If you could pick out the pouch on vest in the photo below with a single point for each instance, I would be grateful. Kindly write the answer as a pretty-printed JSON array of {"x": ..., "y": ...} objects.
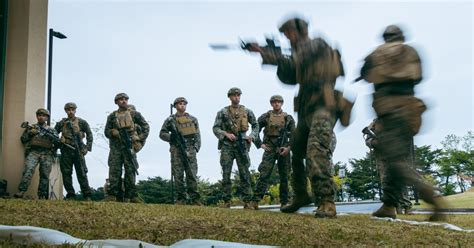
[
  {"x": 186, "y": 125},
  {"x": 124, "y": 120},
  {"x": 275, "y": 123}
]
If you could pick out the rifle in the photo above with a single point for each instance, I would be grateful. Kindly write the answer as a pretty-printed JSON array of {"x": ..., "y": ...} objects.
[
  {"x": 245, "y": 45},
  {"x": 242, "y": 147},
  {"x": 283, "y": 136},
  {"x": 180, "y": 142},
  {"x": 79, "y": 146},
  {"x": 368, "y": 135},
  {"x": 127, "y": 142},
  {"x": 46, "y": 132},
  {"x": 172, "y": 174}
]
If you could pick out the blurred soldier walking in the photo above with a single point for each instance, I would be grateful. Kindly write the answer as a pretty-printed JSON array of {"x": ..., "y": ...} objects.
[
  {"x": 315, "y": 66},
  {"x": 230, "y": 127},
  {"x": 39, "y": 149},
  {"x": 277, "y": 126},
  {"x": 395, "y": 68},
  {"x": 181, "y": 130},
  {"x": 124, "y": 142},
  {"x": 73, "y": 129},
  {"x": 370, "y": 135}
]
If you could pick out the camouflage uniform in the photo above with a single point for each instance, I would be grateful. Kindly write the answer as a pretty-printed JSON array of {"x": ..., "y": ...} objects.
[
  {"x": 395, "y": 68},
  {"x": 274, "y": 124},
  {"x": 131, "y": 121},
  {"x": 69, "y": 157},
  {"x": 235, "y": 120},
  {"x": 188, "y": 126},
  {"x": 39, "y": 149},
  {"x": 403, "y": 200},
  {"x": 314, "y": 65}
]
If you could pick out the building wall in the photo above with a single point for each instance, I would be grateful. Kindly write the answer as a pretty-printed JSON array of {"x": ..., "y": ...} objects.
[{"x": 25, "y": 74}]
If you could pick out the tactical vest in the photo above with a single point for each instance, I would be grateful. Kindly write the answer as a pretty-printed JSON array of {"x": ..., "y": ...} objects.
[
  {"x": 40, "y": 141},
  {"x": 186, "y": 125},
  {"x": 67, "y": 132},
  {"x": 239, "y": 118},
  {"x": 393, "y": 62},
  {"x": 124, "y": 120},
  {"x": 274, "y": 124}
]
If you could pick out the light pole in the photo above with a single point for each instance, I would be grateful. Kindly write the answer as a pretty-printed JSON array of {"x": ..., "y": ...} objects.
[
  {"x": 342, "y": 175},
  {"x": 59, "y": 35}
]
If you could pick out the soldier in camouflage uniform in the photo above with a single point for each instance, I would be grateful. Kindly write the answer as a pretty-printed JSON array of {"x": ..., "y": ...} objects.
[
  {"x": 277, "y": 125},
  {"x": 395, "y": 68},
  {"x": 188, "y": 127},
  {"x": 69, "y": 157},
  {"x": 39, "y": 149},
  {"x": 230, "y": 127},
  {"x": 371, "y": 141},
  {"x": 130, "y": 120},
  {"x": 314, "y": 65}
]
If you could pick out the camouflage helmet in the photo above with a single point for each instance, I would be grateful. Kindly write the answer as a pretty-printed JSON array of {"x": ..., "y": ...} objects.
[
  {"x": 180, "y": 99},
  {"x": 70, "y": 105},
  {"x": 234, "y": 91},
  {"x": 393, "y": 33},
  {"x": 276, "y": 98},
  {"x": 42, "y": 111},
  {"x": 298, "y": 24},
  {"x": 120, "y": 95}
]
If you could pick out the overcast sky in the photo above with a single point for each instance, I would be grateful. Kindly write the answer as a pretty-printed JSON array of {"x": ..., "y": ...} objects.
[{"x": 156, "y": 51}]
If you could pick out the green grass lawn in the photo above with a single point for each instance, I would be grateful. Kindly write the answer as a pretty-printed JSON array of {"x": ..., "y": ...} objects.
[
  {"x": 167, "y": 224},
  {"x": 463, "y": 200}
]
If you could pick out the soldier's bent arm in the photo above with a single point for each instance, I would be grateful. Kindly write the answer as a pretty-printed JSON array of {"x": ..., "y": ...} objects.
[
  {"x": 197, "y": 144},
  {"x": 291, "y": 127},
  {"x": 253, "y": 122},
  {"x": 109, "y": 126},
  {"x": 262, "y": 122},
  {"x": 286, "y": 70},
  {"x": 89, "y": 137},
  {"x": 218, "y": 125},
  {"x": 59, "y": 126},
  {"x": 25, "y": 137},
  {"x": 164, "y": 131},
  {"x": 140, "y": 120}
]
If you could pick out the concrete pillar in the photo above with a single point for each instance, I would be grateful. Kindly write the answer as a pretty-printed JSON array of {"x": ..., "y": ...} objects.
[{"x": 25, "y": 76}]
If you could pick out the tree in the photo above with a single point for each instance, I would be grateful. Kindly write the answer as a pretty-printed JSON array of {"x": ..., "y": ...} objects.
[
  {"x": 457, "y": 161},
  {"x": 155, "y": 190},
  {"x": 364, "y": 178}
]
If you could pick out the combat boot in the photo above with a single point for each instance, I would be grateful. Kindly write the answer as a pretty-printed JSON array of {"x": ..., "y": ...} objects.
[
  {"x": 19, "y": 195},
  {"x": 438, "y": 207},
  {"x": 110, "y": 198},
  {"x": 386, "y": 211},
  {"x": 70, "y": 196},
  {"x": 248, "y": 206},
  {"x": 296, "y": 203},
  {"x": 254, "y": 204},
  {"x": 135, "y": 200},
  {"x": 327, "y": 209},
  {"x": 196, "y": 203}
]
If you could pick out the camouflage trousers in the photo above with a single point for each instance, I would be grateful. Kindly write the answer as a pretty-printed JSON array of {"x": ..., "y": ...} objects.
[
  {"x": 311, "y": 140},
  {"x": 229, "y": 152},
  {"x": 45, "y": 159},
  {"x": 117, "y": 161},
  {"x": 266, "y": 168},
  {"x": 179, "y": 169},
  {"x": 67, "y": 160},
  {"x": 402, "y": 200},
  {"x": 395, "y": 137}
]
